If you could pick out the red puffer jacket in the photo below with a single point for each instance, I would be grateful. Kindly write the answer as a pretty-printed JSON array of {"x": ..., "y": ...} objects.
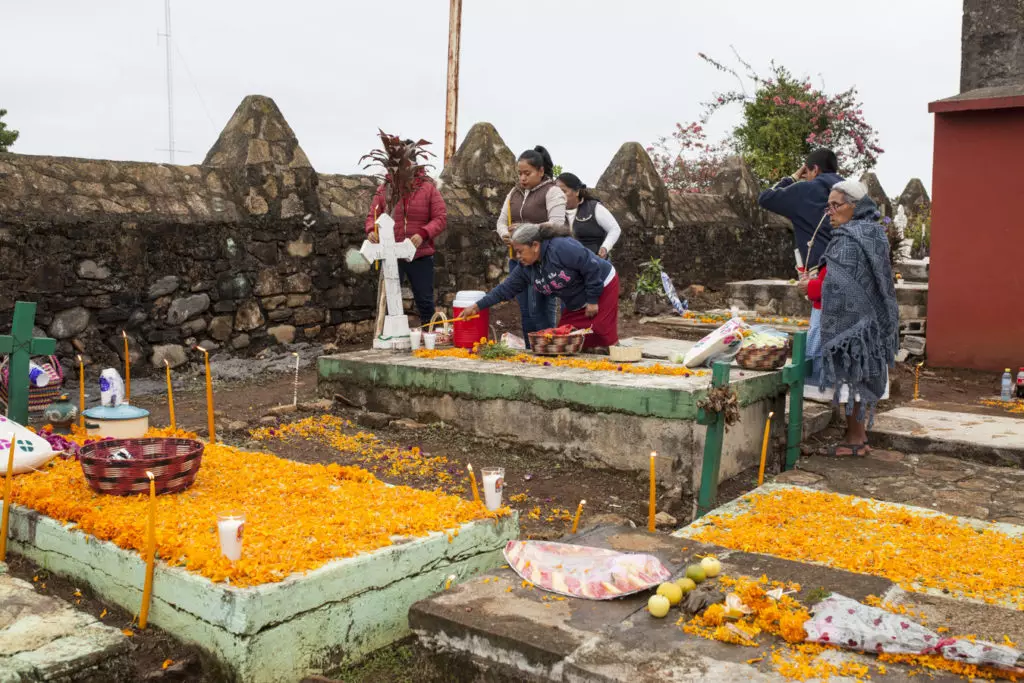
[{"x": 424, "y": 214}]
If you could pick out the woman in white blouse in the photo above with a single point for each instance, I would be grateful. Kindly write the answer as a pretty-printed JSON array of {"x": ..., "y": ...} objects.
[{"x": 592, "y": 224}]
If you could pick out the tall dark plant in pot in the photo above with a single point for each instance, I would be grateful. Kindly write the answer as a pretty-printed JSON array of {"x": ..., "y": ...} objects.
[{"x": 400, "y": 168}]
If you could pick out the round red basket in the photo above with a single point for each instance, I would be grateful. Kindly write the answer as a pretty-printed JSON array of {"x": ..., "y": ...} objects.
[
  {"x": 173, "y": 462},
  {"x": 555, "y": 344}
]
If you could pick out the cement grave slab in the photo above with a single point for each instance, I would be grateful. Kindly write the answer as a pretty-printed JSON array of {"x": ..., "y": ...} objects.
[
  {"x": 989, "y": 439},
  {"x": 518, "y": 633},
  {"x": 603, "y": 419},
  {"x": 817, "y": 416},
  {"x": 43, "y": 638},
  {"x": 305, "y": 625},
  {"x": 783, "y": 297}
]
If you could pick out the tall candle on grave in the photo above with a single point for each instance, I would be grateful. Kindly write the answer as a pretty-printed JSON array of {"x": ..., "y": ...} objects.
[
  {"x": 576, "y": 519},
  {"x": 5, "y": 517},
  {"x": 209, "y": 396},
  {"x": 81, "y": 393},
  {"x": 147, "y": 588},
  {"x": 472, "y": 478},
  {"x": 652, "y": 505},
  {"x": 170, "y": 397},
  {"x": 127, "y": 370}
]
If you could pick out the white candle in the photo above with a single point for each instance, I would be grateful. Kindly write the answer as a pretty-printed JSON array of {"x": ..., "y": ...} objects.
[
  {"x": 414, "y": 339},
  {"x": 230, "y": 528},
  {"x": 494, "y": 482},
  {"x": 429, "y": 339}
]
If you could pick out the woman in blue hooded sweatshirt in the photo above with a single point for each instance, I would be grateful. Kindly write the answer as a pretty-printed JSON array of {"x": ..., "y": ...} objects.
[{"x": 588, "y": 286}]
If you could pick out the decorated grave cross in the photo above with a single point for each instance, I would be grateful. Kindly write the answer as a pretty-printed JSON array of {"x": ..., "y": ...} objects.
[
  {"x": 396, "y": 325},
  {"x": 21, "y": 346}
]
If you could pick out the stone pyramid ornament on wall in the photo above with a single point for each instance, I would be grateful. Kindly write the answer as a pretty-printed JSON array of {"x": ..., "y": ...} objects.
[{"x": 396, "y": 325}]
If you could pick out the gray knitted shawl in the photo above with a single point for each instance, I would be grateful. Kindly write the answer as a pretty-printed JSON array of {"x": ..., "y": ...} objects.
[{"x": 859, "y": 314}]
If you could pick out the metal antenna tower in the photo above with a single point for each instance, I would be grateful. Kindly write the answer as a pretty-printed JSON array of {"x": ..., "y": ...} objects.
[{"x": 166, "y": 35}]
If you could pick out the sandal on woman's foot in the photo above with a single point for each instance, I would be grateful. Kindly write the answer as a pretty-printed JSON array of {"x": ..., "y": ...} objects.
[{"x": 856, "y": 450}]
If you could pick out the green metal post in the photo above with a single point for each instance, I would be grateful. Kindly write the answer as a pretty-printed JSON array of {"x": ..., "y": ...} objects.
[
  {"x": 794, "y": 375},
  {"x": 712, "y": 445},
  {"x": 21, "y": 347}
]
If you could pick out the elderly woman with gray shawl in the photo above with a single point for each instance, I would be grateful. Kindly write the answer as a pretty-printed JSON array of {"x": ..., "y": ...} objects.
[{"x": 859, "y": 316}]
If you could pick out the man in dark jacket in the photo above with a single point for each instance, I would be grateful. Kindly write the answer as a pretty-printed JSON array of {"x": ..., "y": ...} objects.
[{"x": 801, "y": 198}]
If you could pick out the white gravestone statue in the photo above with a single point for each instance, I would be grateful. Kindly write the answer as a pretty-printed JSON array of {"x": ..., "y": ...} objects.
[
  {"x": 906, "y": 244},
  {"x": 396, "y": 324}
]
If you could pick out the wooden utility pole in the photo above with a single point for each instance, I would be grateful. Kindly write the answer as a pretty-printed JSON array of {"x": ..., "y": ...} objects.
[{"x": 451, "y": 111}]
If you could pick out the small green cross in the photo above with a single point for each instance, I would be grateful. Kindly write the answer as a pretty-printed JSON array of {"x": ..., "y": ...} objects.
[{"x": 21, "y": 346}]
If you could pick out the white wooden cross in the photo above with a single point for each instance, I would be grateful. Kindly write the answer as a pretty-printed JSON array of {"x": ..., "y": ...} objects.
[{"x": 396, "y": 324}]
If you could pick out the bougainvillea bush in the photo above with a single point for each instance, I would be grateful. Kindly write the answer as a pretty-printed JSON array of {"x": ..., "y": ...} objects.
[{"x": 783, "y": 119}]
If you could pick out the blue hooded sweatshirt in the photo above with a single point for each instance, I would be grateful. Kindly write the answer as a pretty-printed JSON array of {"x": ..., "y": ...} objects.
[
  {"x": 804, "y": 204},
  {"x": 565, "y": 269}
]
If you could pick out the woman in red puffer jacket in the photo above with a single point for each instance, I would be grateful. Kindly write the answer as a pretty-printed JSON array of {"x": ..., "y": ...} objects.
[{"x": 421, "y": 217}]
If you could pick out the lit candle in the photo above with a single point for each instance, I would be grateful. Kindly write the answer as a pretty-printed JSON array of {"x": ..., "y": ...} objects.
[
  {"x": 209, "y": 396},
  {"x": 764, "y": 448},
  {"x": 147, "y": 590},
  {"x": 295, "y": 399},
  {"x": 576, "y": 520},
  {"x": 81, "y": 393},
  {"x": 652, "y": 506},
  {"x": 917, "y": 381},
  {"x": 170, "y": 396},
  {"x": 7, "y": 501},
  {"x": 472, "y": 478},
  {"x": 127, "y": 370}
]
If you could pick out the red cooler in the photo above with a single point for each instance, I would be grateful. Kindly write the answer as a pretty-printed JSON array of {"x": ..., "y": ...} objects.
[{"x": 469, "y": 332}]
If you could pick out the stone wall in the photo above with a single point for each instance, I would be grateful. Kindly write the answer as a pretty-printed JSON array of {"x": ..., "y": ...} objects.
[{"x": 253, "y": 247}]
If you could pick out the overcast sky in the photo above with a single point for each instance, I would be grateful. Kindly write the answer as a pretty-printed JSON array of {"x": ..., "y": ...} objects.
[{"x": 87, "y": 79}]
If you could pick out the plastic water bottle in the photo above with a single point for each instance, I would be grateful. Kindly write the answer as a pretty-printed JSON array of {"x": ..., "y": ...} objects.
[
  {"x": 1007, "y": 393},
  {"x": 37, "y": 376}
]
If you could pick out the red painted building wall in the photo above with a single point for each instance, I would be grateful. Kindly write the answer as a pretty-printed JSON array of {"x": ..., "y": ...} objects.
[{"x": 976, "y": 277}]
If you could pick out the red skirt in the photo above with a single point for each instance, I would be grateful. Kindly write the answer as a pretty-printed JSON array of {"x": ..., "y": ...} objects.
[{"x": 605, "y": 324}]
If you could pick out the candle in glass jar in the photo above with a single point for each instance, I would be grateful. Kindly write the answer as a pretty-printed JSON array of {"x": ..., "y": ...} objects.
[
  {"x": 230, "y": 526},
  {"x": 493, "y": 482}
]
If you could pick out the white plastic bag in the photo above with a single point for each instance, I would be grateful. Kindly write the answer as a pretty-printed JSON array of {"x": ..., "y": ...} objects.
[
  {"x": 722, "y": 344},
  {"x": 513, "y": 341},
  {"x": 584, "y": 572},
  {"x": 840, "y": 621},
  {"x": 111, "y": 388}
]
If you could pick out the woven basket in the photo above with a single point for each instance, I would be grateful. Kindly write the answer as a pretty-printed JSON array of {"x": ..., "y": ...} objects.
[
  {"x": 762, "y": 357},
  {"x": 444, "y": 331},
  {"x": 173, "y": 462},
  {"x": 38, "y": 397},
  {"x": 558, "y": 345}
]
